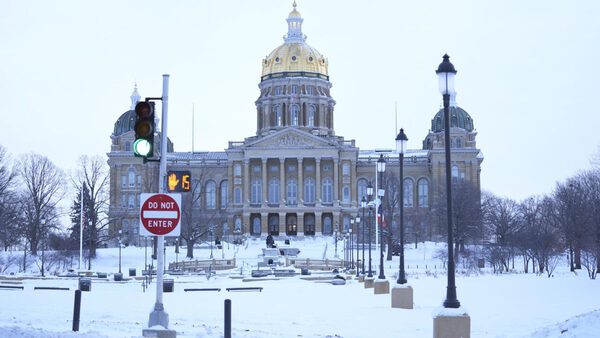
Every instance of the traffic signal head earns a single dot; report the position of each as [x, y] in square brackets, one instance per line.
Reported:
[144, 129]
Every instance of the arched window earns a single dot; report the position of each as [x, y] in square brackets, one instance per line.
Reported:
[408, 193]
[291, 225]
[327, 224]
[210, 201]
[311, 114]
[454, 174]
[309, 224]
[237, 195]
[131, 201]
[362, 189]
[256, 191]
[346, 169]
[278, 117]
[327, 190]
[256, 225]
[292, 191]
[274, 191]
[294, 114]
[346, 223]
[309, 190]
[237, 227]
[123, 181]
[423, 192]
[131, 177]
[274, 224]
[346, 194]
[224, 194]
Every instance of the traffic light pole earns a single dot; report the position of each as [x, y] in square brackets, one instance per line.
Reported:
[159, 316]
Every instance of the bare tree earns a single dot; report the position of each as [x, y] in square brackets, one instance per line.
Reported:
[501, 218]
[390, 204]
[93, 175]
[42, 182]
[9, 234]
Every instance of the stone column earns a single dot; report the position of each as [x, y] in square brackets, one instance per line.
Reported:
[353, 185]
[282, 223]
[246, 223]
[318, 223]
[265, 184]
[336, 182]
[264, 224]
[300, 223]
[246, 182]
[318, 181]
[300, 184]
[281, 182]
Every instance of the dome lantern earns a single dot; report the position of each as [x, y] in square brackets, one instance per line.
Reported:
[294, 20]
[135, 97]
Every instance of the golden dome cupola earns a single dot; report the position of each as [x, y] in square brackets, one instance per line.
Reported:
[294, 57]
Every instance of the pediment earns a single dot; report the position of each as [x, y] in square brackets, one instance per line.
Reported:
[290, 138]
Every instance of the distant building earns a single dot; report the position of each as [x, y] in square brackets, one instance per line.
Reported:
[295, 177]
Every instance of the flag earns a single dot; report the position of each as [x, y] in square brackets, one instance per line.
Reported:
[380, 217]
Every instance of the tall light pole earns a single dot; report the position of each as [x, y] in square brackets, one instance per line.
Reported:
[120, 232]
[43, 224]
[380, 193]
[401, 141]
[363, 206]
[370, 195]
[446, 74]
[357, 252]
[351, 238]
[335, 234]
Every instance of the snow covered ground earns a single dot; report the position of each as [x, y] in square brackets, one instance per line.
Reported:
[506, 305]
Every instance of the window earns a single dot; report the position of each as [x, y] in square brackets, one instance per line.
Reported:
[278, 120]
[294, 88]
[292, 191]
[131, 201]
[224, 194]
[225, 229]
[454, 174]
[309, 190]
[326, 167]
[274, 168]
[127, 146]
[139, 180]
[256, 224]
[458, 143]
[124, 200]
[294, 113]
[311, 114]
[423, 192]
[278, 90]
[237, 170]
[125, 227]
[362, 189]
[309, 224]
[237, 195]
[327, 224]
[292, 168]
[408, 193]
[274, 224]
[346, 194]
[131, 178]
[123, 181]
[309, 168]
[310, 90]
[256, 191]
[346, 223]
[210, 201]
[327, 191]
[237, 225]
[346, 169]
[291, 226]
[256, 169]
[274, 191]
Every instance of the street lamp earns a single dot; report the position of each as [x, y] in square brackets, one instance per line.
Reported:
[357, 234]
[336, 239]
[380, 192]
[351, 238]
[210, 242]
[401, 141]
[446, 74]
[363, 205]
[43, 223]
[370, 194]
[120, 232]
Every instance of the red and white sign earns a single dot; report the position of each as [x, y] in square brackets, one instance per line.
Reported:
[160, 214]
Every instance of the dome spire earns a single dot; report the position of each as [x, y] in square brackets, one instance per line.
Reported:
[294, 20]
[135, 96]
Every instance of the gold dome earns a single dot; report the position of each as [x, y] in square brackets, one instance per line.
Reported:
[295, 57]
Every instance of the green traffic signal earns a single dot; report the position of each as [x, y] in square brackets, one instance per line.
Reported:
[144, 129]
[142, 147]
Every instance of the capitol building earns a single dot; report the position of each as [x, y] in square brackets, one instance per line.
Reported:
[295, 177]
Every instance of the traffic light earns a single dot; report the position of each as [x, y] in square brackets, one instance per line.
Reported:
[144, 129]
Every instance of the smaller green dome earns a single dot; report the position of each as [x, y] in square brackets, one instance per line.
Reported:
[125, 123]
[458, 118]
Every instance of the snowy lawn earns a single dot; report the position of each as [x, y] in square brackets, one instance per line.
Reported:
[507, 305]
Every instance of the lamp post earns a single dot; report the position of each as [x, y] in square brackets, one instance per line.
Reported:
[90, 249]
[210, 242]
[446, 73]
[120, 233]
[380, 193]
[357, 252]
[43, 223]
[370, 194]
[401, 141]
[363, 205]
[335, 234]
[351, 238]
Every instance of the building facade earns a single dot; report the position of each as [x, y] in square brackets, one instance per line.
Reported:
[295, 177]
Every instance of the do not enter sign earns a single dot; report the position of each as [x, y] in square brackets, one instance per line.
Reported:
[160, 214]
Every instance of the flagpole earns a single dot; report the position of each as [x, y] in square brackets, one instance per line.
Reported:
[81, 220]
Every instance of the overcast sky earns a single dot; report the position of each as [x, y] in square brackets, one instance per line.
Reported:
[526, 72]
